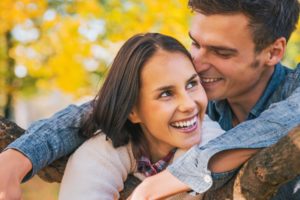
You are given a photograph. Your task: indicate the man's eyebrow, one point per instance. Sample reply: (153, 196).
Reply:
(191, 37)
(222, 48)
(217, 48)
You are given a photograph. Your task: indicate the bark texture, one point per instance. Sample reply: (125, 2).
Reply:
(258, 179)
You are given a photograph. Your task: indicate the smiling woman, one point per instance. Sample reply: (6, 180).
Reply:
(148, 112)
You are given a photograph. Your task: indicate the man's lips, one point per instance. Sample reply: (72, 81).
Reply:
(209, 79)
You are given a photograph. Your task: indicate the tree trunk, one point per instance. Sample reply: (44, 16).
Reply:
(259, 178)
(9, 78)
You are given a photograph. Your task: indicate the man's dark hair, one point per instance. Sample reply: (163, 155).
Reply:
(268, 19)
(121, 88)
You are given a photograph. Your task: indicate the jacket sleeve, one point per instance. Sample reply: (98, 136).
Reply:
(49, 139)
(96, 171)
(267, 129)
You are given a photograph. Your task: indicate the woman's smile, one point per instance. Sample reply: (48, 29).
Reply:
(186, 125)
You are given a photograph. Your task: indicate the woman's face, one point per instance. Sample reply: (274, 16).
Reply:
(171, 103)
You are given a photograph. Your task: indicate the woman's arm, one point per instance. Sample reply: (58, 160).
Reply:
(159, 186)
(96, 171)
(155, 187)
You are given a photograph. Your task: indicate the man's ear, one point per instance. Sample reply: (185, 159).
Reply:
(134, 116)
(275, 51)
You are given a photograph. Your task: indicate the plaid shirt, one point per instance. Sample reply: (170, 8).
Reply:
(148, 169)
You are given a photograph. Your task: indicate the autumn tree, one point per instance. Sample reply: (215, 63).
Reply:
(68, 45)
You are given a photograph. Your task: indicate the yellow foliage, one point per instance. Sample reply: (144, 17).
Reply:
(85, 8)
(292, 55)
(13, 12)
(296, 35)
(146, 15)
(63, 48)
(57, 57)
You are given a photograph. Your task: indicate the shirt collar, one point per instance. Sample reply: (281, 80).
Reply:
(223, 109)
(276, 78)
(147, 168)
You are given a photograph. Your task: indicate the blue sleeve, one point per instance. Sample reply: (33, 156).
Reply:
(49, 139)
(267, 129)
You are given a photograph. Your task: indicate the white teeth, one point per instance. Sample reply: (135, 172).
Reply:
(184, 124)
(209, 80)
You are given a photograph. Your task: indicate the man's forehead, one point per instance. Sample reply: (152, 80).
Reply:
(221, 17)
(218, 26)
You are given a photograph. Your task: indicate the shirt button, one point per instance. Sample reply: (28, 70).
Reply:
(207, 179)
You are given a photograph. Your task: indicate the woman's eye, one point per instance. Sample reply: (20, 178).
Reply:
(165, 94)
(192, 84)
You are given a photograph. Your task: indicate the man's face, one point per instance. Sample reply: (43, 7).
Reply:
(224, 57)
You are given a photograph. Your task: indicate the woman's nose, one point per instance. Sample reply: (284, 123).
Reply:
(186, 103)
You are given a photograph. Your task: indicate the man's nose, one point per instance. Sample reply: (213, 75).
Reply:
(200, 59)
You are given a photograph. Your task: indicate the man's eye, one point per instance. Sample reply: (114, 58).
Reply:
(223, 53)
(195, 44)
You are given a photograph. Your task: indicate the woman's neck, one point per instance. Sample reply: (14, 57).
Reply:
(156, 148)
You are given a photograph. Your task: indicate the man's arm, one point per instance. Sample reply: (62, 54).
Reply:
(17, 163)
(168, 186)
(49, 139)
(267, 129)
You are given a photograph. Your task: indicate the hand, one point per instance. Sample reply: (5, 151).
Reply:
(138, 193)
(13, 168)
(159, 186)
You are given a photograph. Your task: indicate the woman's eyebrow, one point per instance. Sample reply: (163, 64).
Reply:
(163, 88)
(192, 77)
(170, 87)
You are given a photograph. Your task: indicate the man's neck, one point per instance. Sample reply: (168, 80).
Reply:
(242, 105)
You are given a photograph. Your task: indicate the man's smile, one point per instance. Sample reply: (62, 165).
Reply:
(209, 79)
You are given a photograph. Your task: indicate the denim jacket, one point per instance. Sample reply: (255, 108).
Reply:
(49, 139)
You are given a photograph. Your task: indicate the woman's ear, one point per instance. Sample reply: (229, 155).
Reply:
(134, 116)
(276, 51)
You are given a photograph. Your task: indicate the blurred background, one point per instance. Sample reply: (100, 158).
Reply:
(56, 52)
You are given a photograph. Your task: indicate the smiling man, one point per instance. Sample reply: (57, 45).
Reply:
(237, 48)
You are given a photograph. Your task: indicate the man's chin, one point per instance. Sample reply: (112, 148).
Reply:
(214, 97)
